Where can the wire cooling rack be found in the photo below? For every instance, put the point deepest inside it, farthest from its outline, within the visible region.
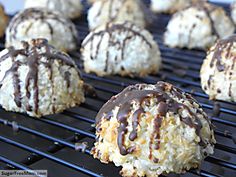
(51, 143)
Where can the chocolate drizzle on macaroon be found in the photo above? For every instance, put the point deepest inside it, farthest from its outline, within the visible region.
(208, 9)
(114, 9)
(223, 49)
(45, 16)
(165, 95)
(34, 58)
(111, 30)
(222, 46)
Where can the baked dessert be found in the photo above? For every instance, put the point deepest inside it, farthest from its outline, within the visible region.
(38, 80)
(115, 11)
(153, 129)
(68, 8)
(218, 70)
(233, 11)
(169, 6)
(198, 26)
(41, 23)
(3, 21)
(123, 49)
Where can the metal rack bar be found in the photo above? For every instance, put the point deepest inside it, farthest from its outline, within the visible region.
(14, 164)
(70, 145)
(48, 156)
(187, 60)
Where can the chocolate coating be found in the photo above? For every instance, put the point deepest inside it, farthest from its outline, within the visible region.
(34, 59)
(123, 49)
(41, 23)
(219, 65)
(198, 26)
(165, 104)
(110, 29)
(116, 11)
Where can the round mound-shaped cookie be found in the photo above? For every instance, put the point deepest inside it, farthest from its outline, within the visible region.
(38, 80)
(123, 49)
(170, 6)
(68, 8)
(218, 72)
(198, 26)
(41, 23)
(115, 11)
(3, 21)
(153, 129)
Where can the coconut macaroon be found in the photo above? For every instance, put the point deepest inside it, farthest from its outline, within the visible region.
(198, 26)
(38, 80)
(169, 6)
(3, 21)
(218, 72)
(115, 11)
(41, 23)
(153, 129)
(123, 49)
(68, 8)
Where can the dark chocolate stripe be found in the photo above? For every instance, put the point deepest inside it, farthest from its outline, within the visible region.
(111, 30)
(135, 122)
(166, 104)
(31, 52)
(39, 14)
(12, 53)
(221, 46)
(208, 9)
(113, 9)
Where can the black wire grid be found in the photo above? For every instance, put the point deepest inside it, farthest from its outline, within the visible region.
(49, 143)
